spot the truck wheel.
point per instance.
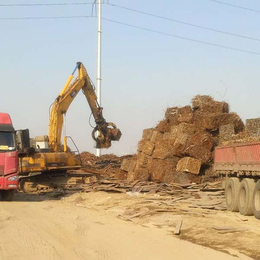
(7, 195)
(245, 197)
(231, 193)
(256, 200)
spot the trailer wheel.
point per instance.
(7, 195)
(245, 197)
(231, 193)
(256, 200)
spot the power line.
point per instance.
(53, 4)
(183, 38)
(46, 17)
(236, 6)
(185, 23)
(136, 27)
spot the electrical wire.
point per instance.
(34, 5)
(137, 27)
(182, 22)
(236, 6)
(46, 17)
(182, 37)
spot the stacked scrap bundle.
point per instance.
(251, 133)
(182, 142)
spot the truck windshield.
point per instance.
(7, 141)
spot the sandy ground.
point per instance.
(88, 226)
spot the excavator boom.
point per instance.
(103, 133)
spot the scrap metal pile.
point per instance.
(180, 148)
(106, 165)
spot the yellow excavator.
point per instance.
(47, 154)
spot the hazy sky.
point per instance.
(143, 72)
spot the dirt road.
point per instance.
(37, 227)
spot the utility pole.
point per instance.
(99, 32)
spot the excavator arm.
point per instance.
(103, 133)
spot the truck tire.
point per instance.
(7, 195)
(245, 197)
(256, 200)
(231, 194)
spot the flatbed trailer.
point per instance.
(240, 165)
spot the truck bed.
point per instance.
(242, 158)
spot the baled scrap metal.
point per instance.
(148, 148)
(139, 174)
(253, 127)
(226, 132)
(201, 139)
(185, 114)
(180, 144)
(213, 122)
(182, 128)
(143, 160)
(166, 135)
(165, 125)
(128, 164)
(147, 133)
(156, 136)
(163, 149)
(200, 153)
(185, 132)
(159, 168)
(140, 146)
(208, 105)
(188, 164)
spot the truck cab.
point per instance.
(8, 158)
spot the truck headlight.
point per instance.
(13, 178)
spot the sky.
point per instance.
(143, 72)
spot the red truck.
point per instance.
(8, 158)
(240, 164)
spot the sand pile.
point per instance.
(183, 142)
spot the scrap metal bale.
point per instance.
(120, 174)
(163, 149)
(128, 164)
(200, 153)
(166, 135)
(160, 168)
(148, 148)
(141, 144)
(139, 174)
(143, 161)
(180, 144)
(185, 114)
(170, 119)
(156, 136)
(253, 127)
(199, 100)
(208, 105)
(171, 112)
(147, 133)
(226, 132)
(164, 126)
(188, 164)
(167, 148)
(142, 174)
(202, 139)
(212, 122)
(131, 176)
(181, 129)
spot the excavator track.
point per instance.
(49, 182)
